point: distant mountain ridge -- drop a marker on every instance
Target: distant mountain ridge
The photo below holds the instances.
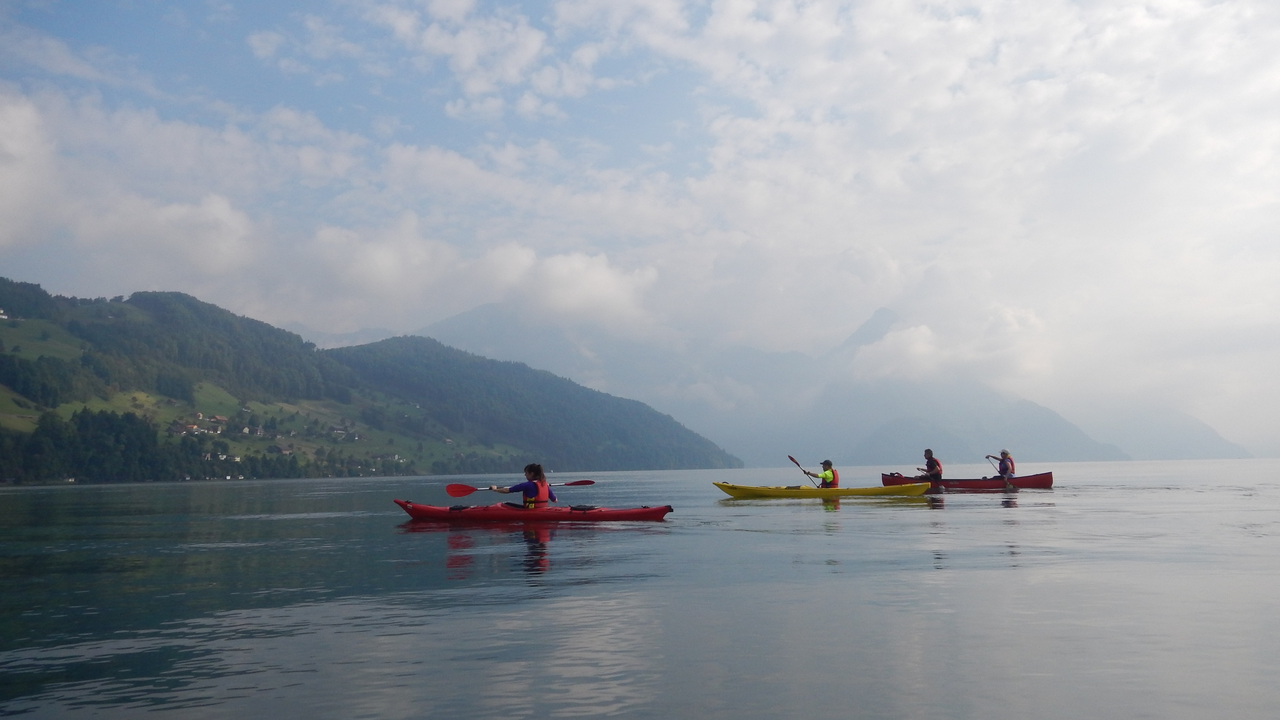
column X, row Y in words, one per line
column 762, row 406
column 226, row 382
column 572, row 427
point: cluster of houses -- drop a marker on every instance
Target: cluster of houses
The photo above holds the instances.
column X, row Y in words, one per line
column 217, row 424
column 213, row 425
column 341, row 433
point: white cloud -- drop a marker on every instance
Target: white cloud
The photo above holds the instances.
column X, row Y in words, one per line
column 584, row 286
column 48, row 54
column 28, row 184
column 486, row 54
column 179, row 241
column 451, row 10
column 265, row 45
column 1055, row 195
column 912, row 353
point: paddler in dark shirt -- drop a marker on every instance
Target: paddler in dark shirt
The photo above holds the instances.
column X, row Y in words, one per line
column 829, row 477
column 537, row 493
column 932, row 468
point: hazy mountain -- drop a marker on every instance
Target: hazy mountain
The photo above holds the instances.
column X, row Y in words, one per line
column 1153, row 433
column 325, row 340
column 762, row 406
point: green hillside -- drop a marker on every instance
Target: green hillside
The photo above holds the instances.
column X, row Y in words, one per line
column 82, row 381
column 572, row 427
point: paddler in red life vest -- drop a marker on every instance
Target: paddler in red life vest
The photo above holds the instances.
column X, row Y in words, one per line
column 932, row 468
column 829, row 477
column 537, row 493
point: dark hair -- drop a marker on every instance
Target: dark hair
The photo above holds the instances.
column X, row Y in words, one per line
column 535, row 470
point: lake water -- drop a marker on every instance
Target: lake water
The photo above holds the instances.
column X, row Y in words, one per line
column 1131, row 590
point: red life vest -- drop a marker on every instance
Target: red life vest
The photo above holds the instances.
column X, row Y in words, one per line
column 835, row 479
column 1013, row 469
column 937, row 463
column 541, row 499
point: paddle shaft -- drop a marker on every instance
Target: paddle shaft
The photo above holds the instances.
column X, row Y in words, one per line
column 806, row 472
column 460, row 490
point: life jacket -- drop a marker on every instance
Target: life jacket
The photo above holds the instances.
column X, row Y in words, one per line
column 541, row 499
column 1012, row 467
column 938, row 463
column 835, row 479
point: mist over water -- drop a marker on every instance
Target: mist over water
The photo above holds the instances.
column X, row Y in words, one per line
column 1140, row 589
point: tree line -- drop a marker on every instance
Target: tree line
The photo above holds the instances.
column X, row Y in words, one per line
column 103, row 447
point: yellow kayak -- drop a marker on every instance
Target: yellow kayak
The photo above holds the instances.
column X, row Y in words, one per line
column 800, row 491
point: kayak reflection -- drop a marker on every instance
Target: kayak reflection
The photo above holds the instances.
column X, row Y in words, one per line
column 936, row 502
column 831, row 504
column 465, row 541
column 536, row 559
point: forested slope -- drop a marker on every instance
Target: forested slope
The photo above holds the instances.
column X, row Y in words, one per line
column 226, row 396
column 571, row 427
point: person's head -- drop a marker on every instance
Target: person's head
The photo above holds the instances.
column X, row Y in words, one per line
column 533, row 471
column 826, row 464
column 1004, row 453
column 928, row 453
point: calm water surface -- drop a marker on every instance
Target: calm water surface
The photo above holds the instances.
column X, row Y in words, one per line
column 1131, row 590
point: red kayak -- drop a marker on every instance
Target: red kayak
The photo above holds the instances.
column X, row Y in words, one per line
column 504, row 512
column 1039, row 481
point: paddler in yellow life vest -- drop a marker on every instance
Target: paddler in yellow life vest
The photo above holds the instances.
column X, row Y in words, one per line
column 829, row 477
column 537, row 493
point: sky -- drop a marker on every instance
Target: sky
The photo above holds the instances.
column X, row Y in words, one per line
column 1072, row 202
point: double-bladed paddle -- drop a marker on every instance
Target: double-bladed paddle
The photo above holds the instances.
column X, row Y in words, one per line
column 460, row 490
column 806, row 472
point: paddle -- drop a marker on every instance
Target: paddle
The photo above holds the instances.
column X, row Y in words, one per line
column 806, row 472
column 460, row 490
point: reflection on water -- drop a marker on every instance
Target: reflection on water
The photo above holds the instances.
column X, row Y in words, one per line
column 536, row 539
column 1130, row 590
column 938, row 502
column 463, row 540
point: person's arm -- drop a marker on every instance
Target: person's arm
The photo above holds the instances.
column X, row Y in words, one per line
column 551, row 495
column 518, row 487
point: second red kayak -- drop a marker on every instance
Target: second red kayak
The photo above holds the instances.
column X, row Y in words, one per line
column 503, row 512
